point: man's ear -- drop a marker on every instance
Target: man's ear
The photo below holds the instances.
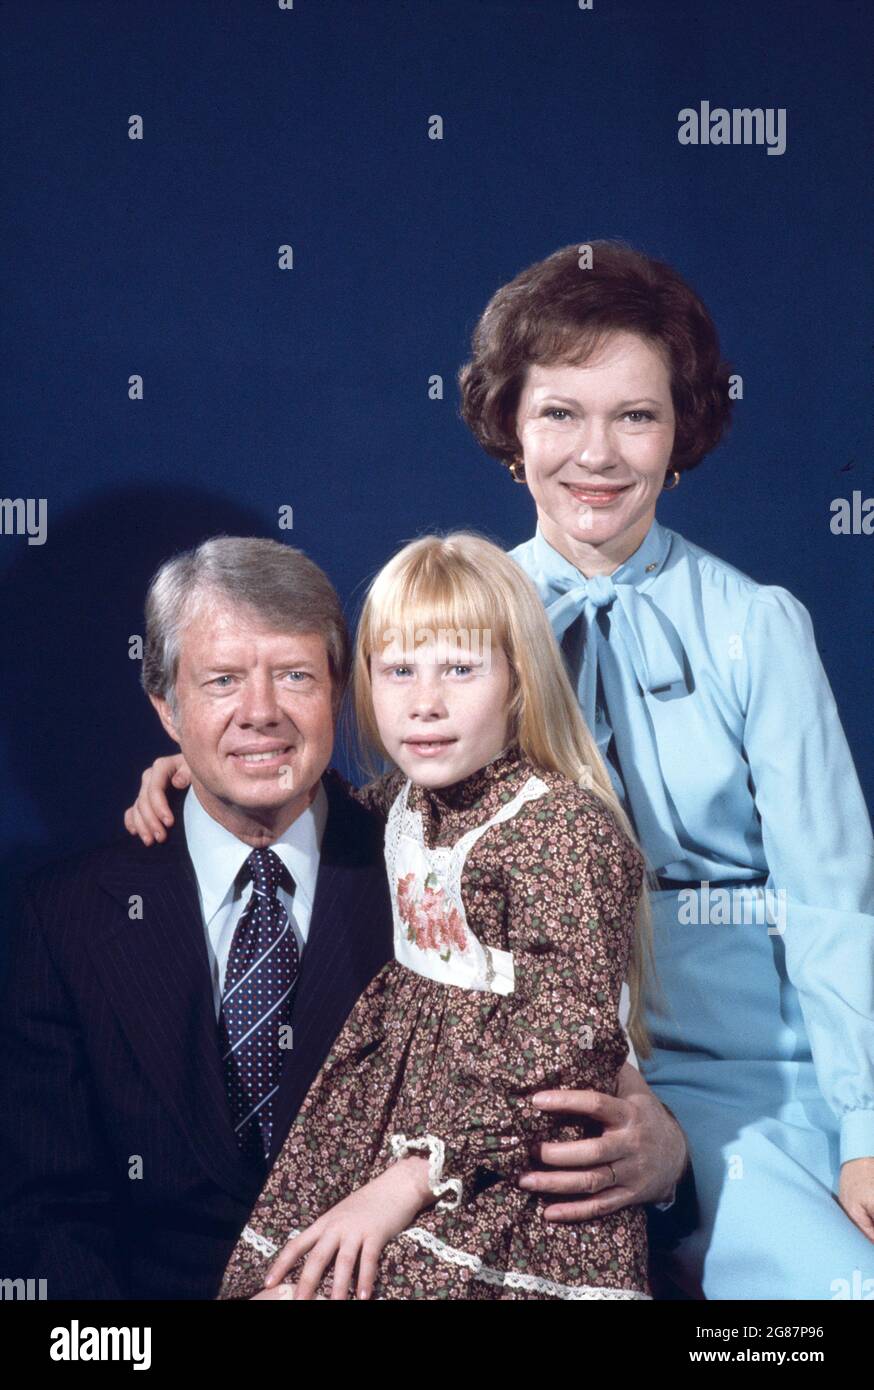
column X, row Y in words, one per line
column 165, row 714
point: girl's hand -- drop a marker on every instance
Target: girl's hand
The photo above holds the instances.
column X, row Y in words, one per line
column 856, row 1193
column 150, row 814
column 354, row 1232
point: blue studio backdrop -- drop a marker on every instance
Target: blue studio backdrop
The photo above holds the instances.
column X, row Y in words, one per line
column 265, row 125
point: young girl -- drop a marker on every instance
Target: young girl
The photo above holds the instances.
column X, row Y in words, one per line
column 518, row 911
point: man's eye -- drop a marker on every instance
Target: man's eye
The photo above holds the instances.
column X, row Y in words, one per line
column 218, row 681
column 303, row 676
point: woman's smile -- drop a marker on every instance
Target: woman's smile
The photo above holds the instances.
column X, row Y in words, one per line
column 593, row 496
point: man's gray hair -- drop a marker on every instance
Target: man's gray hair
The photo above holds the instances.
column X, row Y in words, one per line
column 281, row 586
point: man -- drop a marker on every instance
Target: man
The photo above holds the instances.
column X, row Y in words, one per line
column 168, row 1007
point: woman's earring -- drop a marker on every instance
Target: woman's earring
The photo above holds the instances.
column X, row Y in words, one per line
column 517, row 470
column 669, row 487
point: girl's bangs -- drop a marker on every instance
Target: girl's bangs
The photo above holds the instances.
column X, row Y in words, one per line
column 451, row 599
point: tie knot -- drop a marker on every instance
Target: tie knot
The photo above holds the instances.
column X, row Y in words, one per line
column 600, row 590
column 265, row 869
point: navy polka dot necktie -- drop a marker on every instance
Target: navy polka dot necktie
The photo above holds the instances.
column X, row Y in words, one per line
column 262, row 968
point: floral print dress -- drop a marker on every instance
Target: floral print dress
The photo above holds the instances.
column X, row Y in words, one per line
column 513, row 897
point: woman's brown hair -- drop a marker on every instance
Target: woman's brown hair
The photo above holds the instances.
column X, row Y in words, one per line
column 562, row 309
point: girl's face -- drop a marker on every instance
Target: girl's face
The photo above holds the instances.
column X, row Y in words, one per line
column 441, row 708
column 596, row 442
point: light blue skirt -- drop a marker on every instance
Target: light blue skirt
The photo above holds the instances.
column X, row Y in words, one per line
column 732, row 1060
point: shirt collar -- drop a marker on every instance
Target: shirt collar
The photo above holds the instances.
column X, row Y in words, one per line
column 218, row 855
column 641, row 567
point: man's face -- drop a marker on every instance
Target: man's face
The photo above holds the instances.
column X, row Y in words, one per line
column 253, row 718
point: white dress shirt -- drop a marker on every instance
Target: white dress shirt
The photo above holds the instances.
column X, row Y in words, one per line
column 218, row 856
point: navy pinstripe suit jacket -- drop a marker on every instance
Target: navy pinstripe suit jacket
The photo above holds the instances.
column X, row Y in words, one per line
column 120, row 1176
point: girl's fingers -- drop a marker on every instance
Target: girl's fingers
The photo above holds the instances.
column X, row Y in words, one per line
column 315, row 1265
column 150, row 816
column 291, row 1252
column 140, row 827
column 134, row 823
column 157, row 779
column 158, row 805
column 287, row 1256
column 168, row 768
column 368, row 1261
column 344, row 1269
column 149, row 824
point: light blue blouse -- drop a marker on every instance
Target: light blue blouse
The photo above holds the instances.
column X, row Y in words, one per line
column 712, row 709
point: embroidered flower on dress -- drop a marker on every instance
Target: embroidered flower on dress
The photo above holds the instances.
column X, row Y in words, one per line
column 432, row 923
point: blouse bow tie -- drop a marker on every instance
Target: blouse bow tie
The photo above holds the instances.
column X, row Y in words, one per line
column 628, row 654
column 633, row 621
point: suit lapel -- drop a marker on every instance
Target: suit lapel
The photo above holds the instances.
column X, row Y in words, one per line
column 156, row 973
column 349, row 940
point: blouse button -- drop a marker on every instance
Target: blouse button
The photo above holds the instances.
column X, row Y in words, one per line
column 651, row 567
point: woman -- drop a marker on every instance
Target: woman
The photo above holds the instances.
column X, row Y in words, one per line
column 594, row 375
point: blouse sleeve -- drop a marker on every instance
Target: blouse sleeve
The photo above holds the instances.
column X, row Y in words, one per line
column 817, row 841
column 570, row 900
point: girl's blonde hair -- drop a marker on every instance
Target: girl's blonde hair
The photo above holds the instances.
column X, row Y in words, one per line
column 462, row 583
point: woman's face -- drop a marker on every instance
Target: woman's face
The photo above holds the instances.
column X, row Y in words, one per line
column 596, row 442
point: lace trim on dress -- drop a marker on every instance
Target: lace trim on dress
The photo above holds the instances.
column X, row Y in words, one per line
column 508, row 1279
column 513, row 1279
column 451, row 857
column 264, row 1246
column 428, row 908
column 401, row 1147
